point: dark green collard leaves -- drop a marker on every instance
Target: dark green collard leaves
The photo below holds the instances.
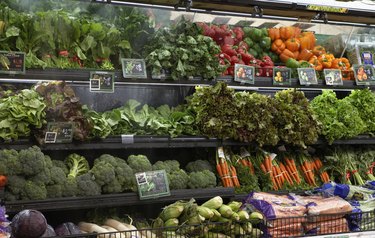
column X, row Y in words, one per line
column 184, row 51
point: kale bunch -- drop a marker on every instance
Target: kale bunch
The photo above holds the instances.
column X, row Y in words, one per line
column 364, row 101
column 184, row 51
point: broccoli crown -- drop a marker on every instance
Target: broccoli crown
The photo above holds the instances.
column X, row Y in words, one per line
column 112, row 187
column 10, row 163
column 178, row 179
column 15, row 184
column 43, row 176
column 113, row 174
column 198, row 165
column 202, row 179
column 104, row 173
column 60, row 164
column 55, row 190
column 139, row 163
column 169, row 166
column 87, row 185
column 57, row 175
column 34, row 191
column 70, row 187
column 32, row 160
column 77, row 165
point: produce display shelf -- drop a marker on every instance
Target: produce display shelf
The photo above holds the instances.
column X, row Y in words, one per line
column 356, row 13
column 364, row 234
column 81, row 76
column 138, row 142
column 110, row 200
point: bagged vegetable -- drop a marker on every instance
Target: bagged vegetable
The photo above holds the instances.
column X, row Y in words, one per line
column 349, row 192
column 274, row 207
column 327, row 227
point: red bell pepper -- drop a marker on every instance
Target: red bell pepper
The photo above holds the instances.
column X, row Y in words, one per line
column 228, row 49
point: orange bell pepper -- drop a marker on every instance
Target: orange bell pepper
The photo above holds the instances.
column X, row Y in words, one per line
column 305, row 55
column 274, row 33
column 326, row 60
column 316, row 63
column 285, row 55
column 287, row 32
column 278, row 46
column 292, row 44
column 341, row 63
column 307, row 40
column 319, row 50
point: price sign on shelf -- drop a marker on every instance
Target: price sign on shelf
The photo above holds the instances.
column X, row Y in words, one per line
column 307, row 76
column 12, row 62
column 364, row 74
column 152, row 184
column 244, row 73
column 101, row 81
column 281, row 76
column 59, row 132
column 134, row 68
column 333, row 76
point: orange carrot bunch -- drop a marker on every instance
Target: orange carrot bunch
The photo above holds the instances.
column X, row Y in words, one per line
column 307, row 169
column 291, row 167
column 323, row 175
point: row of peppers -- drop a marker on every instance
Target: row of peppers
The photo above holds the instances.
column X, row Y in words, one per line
column 262, row 47
column 284, row 173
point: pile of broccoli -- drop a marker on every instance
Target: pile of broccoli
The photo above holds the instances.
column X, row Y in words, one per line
column 33, row 175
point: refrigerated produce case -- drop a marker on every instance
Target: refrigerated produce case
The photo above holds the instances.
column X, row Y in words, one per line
column 345, row 27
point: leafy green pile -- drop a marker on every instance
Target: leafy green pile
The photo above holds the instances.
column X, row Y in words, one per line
column 222, row 113
column 63, row 106
column 215, row 111
column 340, row 119
column 364, row 101
column 259, row 125
column 72, row 38
column 145, row 120
column 184, row 51
column 20, row 113
column 295, row 120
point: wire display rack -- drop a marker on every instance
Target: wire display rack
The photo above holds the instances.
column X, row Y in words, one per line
column 277, row 228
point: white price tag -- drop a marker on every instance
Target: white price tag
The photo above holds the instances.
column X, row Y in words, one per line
column 127, row 139
column 220, row 152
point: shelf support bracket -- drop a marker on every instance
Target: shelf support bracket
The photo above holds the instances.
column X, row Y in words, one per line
column 321, row 16
column 187, row 4
column 257, row 11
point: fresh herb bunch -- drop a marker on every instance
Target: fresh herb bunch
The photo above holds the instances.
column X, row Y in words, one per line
column 184, row 51
column 340, row 119
column 256, row 115
column 364, row 101
column 295, row 119
column 215, row 111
